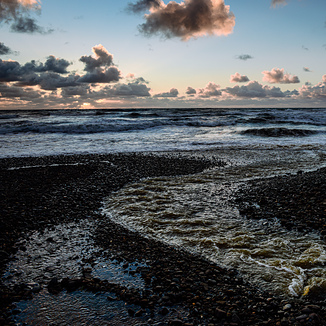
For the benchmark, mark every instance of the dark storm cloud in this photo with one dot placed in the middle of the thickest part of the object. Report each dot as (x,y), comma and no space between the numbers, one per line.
(191,18)
(237,78)
(143,5)
(244,57)
(28,25)
(172,93)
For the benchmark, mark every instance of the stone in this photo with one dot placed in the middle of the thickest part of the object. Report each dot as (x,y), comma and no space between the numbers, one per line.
(301,317)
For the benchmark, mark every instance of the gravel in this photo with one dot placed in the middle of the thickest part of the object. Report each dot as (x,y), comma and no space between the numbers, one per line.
(40,192)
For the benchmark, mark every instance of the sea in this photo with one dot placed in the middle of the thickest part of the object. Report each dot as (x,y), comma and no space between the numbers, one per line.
(52,132)
(193,212)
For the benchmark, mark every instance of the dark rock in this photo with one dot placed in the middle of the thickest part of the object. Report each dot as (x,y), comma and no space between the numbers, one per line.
(54,286)
(164,311)
(131,312)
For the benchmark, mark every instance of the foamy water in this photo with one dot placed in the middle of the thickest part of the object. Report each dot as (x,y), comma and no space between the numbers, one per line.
(38,133)
(195,213)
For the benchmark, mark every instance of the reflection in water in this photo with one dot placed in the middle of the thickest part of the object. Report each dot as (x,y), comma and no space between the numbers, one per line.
(194,212)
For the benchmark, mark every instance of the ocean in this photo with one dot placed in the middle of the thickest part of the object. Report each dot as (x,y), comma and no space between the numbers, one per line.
(192,212)
(52,132)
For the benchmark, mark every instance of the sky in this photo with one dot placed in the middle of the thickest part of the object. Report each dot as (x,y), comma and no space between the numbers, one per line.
(57,54)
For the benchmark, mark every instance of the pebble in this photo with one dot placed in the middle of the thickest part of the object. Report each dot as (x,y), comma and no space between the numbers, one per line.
(287,307)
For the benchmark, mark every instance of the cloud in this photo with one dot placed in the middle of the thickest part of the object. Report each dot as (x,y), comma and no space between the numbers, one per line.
(12,9)
(211,90)
(237,78)
(99,67)
(143,5)
(25,94)
(306,69)
(17,12)
(55,64)
(244,57)
(132,89)
(106,75)
(188,19)
(254,89)
(277,75)
(100,58)
(316,91)
(28,25)
(172,93)
(82,90)
(190,91)
(50,84)
(278,3)
(4,50)
(13,71)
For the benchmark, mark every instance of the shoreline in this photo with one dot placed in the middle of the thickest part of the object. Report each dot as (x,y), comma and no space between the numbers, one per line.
(69,188)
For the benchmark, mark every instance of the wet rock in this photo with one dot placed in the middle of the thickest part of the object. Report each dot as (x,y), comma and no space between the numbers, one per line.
(164,311)
(131,312)
(288,306)
(176,322)
(139,313)
(302,317)
(34,287)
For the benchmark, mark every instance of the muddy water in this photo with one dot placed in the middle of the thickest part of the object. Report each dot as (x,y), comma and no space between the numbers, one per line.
(195,212)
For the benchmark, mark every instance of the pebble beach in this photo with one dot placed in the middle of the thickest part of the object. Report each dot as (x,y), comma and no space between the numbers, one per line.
(181,288)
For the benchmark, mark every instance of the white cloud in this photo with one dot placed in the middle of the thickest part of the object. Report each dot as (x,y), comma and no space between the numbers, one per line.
(277,75)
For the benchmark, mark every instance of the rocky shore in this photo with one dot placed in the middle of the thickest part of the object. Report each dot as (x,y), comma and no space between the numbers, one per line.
(40,192)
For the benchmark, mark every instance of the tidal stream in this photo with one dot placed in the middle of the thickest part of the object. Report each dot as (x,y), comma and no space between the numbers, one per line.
(193,212)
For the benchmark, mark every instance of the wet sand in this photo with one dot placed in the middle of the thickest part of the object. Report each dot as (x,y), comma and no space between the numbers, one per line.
(37,193)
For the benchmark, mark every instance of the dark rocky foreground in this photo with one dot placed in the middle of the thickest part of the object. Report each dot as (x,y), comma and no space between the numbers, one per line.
(68,188)
(298,201)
